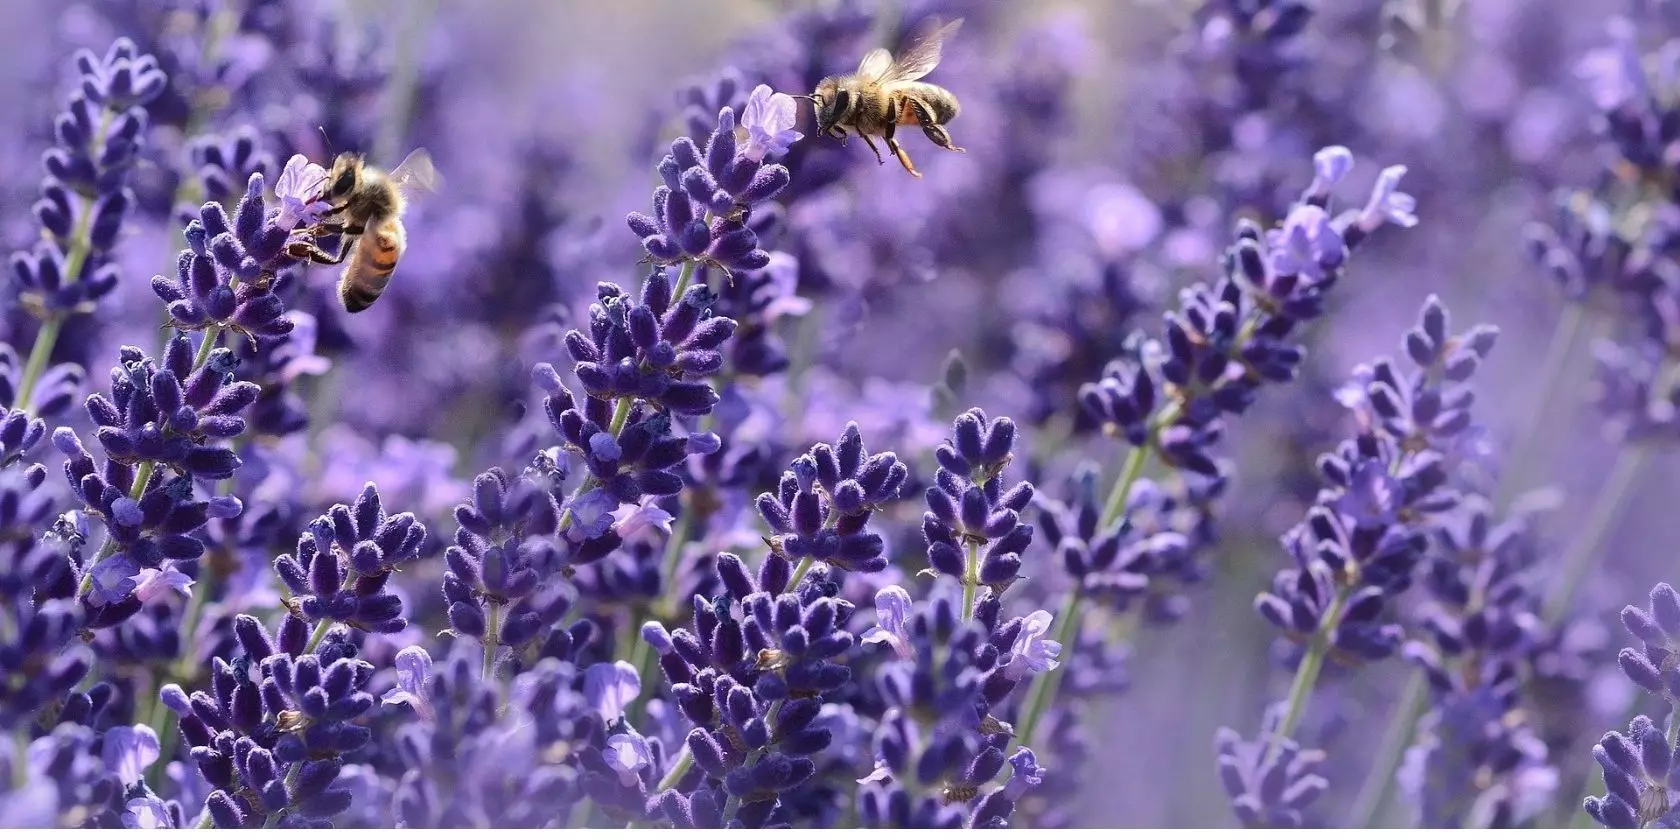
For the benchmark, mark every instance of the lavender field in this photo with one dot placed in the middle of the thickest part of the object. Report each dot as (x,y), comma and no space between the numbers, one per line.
(1263,415)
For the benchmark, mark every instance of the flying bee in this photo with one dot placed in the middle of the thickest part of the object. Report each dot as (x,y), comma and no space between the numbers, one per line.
(367,206)
(884,94)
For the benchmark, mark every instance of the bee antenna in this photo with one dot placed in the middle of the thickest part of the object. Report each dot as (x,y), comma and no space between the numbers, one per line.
(325,139)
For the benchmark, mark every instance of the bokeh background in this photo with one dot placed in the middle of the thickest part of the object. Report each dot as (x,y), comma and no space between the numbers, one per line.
(1111,147)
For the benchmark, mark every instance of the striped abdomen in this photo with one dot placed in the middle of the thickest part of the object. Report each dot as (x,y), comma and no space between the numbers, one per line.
(940,103)
(369,268)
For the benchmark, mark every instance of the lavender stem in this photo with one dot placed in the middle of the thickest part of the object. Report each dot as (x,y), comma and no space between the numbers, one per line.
(1043,690)
(971,580)
(75,256)
(1558,353)
(1374,793)
(1306,674)
(492,635)
(685,760)
(1624,474)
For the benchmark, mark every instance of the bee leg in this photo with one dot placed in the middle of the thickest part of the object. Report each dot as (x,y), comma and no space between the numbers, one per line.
(903,157)
(330,228)
(933,130)
(875,149)
(308,251)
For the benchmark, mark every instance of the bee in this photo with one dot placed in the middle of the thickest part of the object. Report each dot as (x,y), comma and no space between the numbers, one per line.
(884,94)
(366,209)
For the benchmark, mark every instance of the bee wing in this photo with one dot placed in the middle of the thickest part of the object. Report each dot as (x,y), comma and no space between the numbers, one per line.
(922,55)
(875,64)
(416,174)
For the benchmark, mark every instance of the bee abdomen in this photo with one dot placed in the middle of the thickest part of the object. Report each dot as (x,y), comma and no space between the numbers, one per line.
(939,103)
(356,298)
(369,272)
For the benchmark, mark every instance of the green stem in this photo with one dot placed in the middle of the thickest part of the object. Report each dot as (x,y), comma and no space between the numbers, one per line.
(158,715)
(1115,508)
(39,355)
(641,653)
(1373,794)
(685,760)
(211,335)
(683,279)
(799,573)
(75,257)
(971,579)
(20,757)
(492,640)
(621,415)
(1558,353)
(404,79)
(142,477)
(1043,690)
(1306,674)
(1578,559)
(325,625)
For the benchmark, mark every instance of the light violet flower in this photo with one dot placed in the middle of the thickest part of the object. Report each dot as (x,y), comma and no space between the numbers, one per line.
(769,118)
(1330,166)
(414,674)
(1613,74)
(626,755)
(128,751)
(609,687)
(298,190)
(1307,244)
(642,523)
(592,514)
(301,343)
(1388,204)
(783,273)
(892,615)
(146,812)
(1026,776)
(153,584)
(113,579)
(1032,651)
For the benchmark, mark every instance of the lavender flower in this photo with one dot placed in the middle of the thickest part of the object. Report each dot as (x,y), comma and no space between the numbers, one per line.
(700,211)
(822,508)
(769,118)
(751,685)
(1639,775)
(1271,780)
(969,509)
(84,196)
(657,350)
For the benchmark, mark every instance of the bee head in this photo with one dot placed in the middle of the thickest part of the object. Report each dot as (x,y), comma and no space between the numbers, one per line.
(830,102)
(344,177)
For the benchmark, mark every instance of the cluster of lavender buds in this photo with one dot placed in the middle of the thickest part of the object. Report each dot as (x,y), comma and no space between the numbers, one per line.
(702,211)
(825,496)
(1641,779)
(1359,547)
